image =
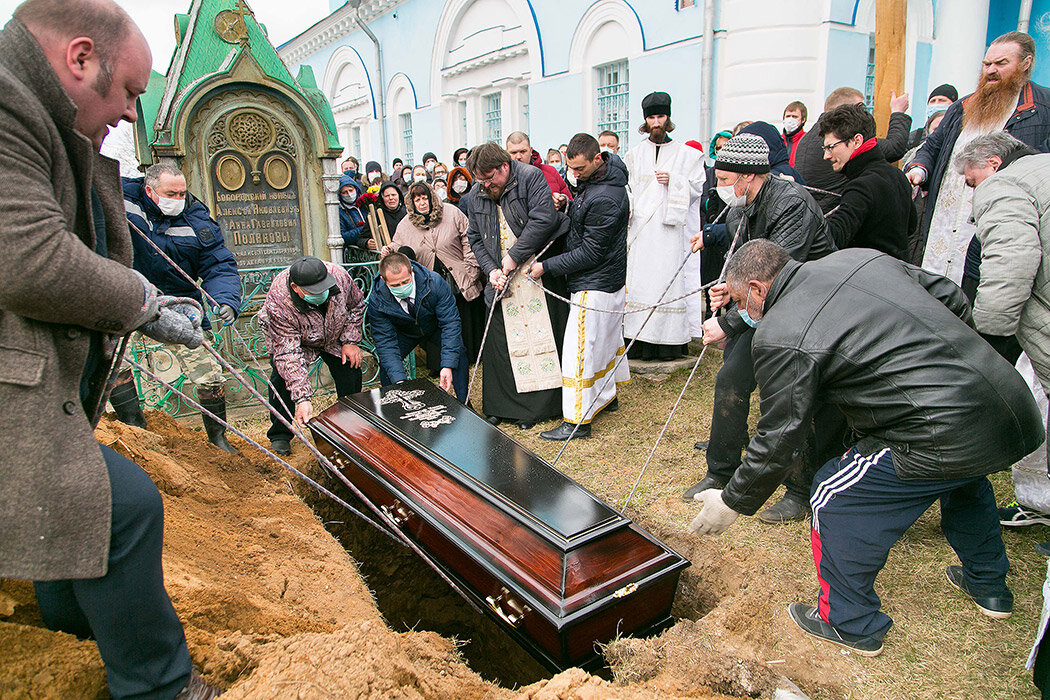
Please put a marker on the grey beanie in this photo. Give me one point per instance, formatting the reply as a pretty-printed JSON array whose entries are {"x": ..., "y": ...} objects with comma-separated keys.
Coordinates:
[{"x": 744, "y": 153}]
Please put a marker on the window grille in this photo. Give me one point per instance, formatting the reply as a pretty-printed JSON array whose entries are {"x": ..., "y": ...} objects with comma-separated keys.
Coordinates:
[
  {"x": 493, "y": 118},
  {"x": 406, "y": 138},
  {"x": 612, "y": 98}
]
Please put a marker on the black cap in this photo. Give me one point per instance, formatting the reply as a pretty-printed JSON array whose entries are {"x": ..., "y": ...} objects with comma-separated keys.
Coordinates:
[
  {"x": 428, "y": 156},
  {"x": 311, "y": 275},
  {"x": 945, "y": 90},
  {"x": 656, "y": 103}
]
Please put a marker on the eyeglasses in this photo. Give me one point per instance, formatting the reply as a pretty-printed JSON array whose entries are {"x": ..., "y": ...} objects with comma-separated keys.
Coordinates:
[
  {"x": 828, "y": 148},
  {"x": 486, "y": 181}
]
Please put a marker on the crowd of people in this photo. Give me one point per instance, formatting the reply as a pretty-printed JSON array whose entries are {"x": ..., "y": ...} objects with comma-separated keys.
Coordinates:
[{"x": 880, "y": 312}]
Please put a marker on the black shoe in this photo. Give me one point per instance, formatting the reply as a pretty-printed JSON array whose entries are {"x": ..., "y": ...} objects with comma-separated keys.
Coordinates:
[
  {"x": 214, "y": 401},
  {"x": 281, "y": 447},
  {"x": 708, "y": 482},
  {"x": 125, "y": 400},
  {"x": 494, "y": 420},
  {"x": 786, "y": 510},
  {"x": 613, "y": 405},
  {"x": 702, "y": 446},
  {"x": 997, "y": 607},
  {"x": 563, "y": 431},
  {"x": 198, "y": 689},
  {"x": 525, "y": 425},
  {"x": 808, "y": 620}
]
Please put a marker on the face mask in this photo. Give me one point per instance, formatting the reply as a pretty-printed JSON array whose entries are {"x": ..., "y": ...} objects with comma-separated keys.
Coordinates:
[
  {"x": 570, "y": 177},
  {"x": 791, "y": 124},
  {"x": 727, "y": 193},
  {"x": 419, "y": 178},
  {"x": 372, "y": 176},
  {"x": 744, "y": 315},
  {"x": 171, "y": 207},
  {"x": 347, "y": 201},
  {"x": 430, "y": 166},
  {"x": 459, "y": 186},
  {"x": 317, "y": 299},
  {"x": 934, "y": 109},
  {"x": 605, "y": 149},
  {"x": 405, "y": 291},
  {"x": 441, "y": 192},
  {"x": 462, "y": 162}
]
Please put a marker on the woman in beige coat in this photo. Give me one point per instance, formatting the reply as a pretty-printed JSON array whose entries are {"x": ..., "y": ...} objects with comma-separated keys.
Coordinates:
[{"x": 437, "y": 234}]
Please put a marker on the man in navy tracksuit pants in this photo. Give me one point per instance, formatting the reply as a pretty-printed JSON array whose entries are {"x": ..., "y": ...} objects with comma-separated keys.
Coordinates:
[{"x": 934, "y": 407}]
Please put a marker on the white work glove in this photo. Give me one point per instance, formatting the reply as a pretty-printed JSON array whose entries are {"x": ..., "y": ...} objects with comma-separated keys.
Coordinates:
[
  {"x": 715, "y": 516},
  {"x": 178, "y": 323}
]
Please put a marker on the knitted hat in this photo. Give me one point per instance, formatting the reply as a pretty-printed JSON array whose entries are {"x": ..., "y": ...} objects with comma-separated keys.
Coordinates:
[
  {"x": 428, "y": 156},
  {"x": 656, "y": 103},
  {"x": 945, "y": 90},
  {"x": 744, "y": 153}
]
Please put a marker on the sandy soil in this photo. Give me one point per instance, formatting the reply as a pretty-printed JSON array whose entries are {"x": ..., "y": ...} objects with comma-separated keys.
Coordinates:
[{"x": 274, "y": 606}]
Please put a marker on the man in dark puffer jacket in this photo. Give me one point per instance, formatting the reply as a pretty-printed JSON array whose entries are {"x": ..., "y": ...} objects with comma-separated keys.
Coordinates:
[
  {"x": 783, "y": 212},
  {"x": 934, "y": 407},
  {"x": 595, "y": 263},
  {"x": 875, "y": 210}
]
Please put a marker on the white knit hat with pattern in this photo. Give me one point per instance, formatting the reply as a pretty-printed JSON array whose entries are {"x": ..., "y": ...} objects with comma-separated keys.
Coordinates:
[{"x": 744, "y": 153}]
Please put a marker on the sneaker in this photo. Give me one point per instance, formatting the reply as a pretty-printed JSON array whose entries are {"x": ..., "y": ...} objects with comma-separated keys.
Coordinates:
[
  {"x": 702, "y": 446},
  {"x": 281, "y": 447},
  {"x": 708, "y": 482},
  {"x": 1014, "y": 515},
  {"x": 198, "y": 689},
  {"x": 998, "y": 607},
  {"x": 808, "y": 620},
  {"x": 785, "y": 510}
]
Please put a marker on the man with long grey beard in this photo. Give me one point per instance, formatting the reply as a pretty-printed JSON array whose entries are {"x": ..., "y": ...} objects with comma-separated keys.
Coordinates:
[{"x": 1005, "y": 99}]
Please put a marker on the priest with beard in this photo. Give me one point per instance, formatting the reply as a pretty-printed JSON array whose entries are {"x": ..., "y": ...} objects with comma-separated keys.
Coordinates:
[
  {"x": 1005, "y": 99},
  {"x": 666, "y": 179}
]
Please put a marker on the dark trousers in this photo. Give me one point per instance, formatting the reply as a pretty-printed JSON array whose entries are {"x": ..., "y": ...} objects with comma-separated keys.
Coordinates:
[
  {"x": 431, "y": 344},
  {"x": 127, "y": 611},
  {"x": 347, "y": 381},
  {"x": 733, "y": 388},
  {"x": 861, "y": 508}
]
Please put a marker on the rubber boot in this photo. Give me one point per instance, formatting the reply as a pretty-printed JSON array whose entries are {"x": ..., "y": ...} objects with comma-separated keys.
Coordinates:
[
  {"x": 214, "y": 400},
  {"x": 125, "y": 400}
]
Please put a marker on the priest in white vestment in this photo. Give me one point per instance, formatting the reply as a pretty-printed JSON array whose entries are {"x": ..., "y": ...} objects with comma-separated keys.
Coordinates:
[{"x": 666, "y": 180}]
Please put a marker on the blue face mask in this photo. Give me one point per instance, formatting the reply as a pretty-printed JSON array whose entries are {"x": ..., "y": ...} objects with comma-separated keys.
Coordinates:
[
  {"x": 404, "y": 291},
  {"x": 745, "y": 316},
  {"x": 935, "y": 109},
  {"x": 317, "y": 299}
]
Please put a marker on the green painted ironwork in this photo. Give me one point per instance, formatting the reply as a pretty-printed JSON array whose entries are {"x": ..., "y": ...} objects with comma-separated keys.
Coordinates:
[{"x": 248, "y": 352}]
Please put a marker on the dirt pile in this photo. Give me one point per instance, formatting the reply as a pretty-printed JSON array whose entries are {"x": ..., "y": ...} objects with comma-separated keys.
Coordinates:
[{"x": 274, "y": 606}]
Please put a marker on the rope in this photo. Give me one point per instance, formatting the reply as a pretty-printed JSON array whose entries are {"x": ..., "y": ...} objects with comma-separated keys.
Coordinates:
[
  {"x": 215, "y": 304},
  {"x": 324, "y": 462},
  {"x": 681, "y": 394},
  {"x": 609, "y": 377}
]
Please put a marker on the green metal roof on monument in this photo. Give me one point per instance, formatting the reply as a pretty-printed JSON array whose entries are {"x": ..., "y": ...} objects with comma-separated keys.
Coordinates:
[{"x": 220, "y": 42}]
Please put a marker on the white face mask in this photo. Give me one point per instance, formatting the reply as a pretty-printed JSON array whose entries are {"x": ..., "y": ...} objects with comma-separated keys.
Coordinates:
[
  {"x": 430, "y": 166},
  {"x": 171, "y": 207},
  {"x": 420, "y": 178},
  {"x": 440, "y": 192},
  {"x": 605, "y": 149},
  {"x": 374, "y": 175},
  {"x": 459, "y": 186},
  {"x": 791, "y": 124},
  {"x": 727, "y": 193},
  {"x": 570, "y": 177}
]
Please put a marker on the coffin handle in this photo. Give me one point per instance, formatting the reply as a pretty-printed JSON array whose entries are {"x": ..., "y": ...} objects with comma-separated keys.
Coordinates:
[
  {"x": 397, "y": 512},
  {"x": 515, "y": 612}
]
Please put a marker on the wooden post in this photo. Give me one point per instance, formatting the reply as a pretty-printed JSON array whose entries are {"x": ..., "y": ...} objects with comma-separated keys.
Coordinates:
[{"x": 891, "y": 17}]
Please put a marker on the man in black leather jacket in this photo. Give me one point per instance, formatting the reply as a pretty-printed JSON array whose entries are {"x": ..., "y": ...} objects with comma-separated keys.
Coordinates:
[
  {"x": 595, "y": 263},
  {"x": 781, "y": 211},
  {"x": 934, "y": 408}
]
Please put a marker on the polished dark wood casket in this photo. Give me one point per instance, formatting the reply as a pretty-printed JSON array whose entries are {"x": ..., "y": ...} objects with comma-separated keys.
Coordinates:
[{"x": 554, "y": 565}]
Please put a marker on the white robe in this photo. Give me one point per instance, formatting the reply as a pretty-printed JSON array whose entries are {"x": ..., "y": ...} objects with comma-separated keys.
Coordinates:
[{"x": 658, "y": 241}]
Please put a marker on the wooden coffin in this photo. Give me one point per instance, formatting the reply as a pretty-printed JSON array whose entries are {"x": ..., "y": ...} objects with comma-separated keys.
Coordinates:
[{"x": 555, "y": 566}]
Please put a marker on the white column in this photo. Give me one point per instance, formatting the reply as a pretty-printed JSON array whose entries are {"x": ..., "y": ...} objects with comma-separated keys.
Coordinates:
[{"x": 961, "y": 31}]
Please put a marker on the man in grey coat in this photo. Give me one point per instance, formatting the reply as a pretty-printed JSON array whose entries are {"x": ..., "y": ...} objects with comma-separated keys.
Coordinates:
[{"x": 81, "y": 521}]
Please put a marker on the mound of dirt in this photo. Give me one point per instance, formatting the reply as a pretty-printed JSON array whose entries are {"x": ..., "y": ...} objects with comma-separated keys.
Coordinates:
[{"x": 274, "y": 606}]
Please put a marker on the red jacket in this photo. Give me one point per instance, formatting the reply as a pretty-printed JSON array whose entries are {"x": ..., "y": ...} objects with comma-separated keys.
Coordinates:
[
  {"x": 553, "y": 178},
  {"x": 791, "y": 142}
]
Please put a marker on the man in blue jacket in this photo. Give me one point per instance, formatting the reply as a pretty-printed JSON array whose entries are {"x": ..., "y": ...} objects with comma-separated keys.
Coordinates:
[
  {"x": 159, "y": 209},
  {"x": 410, "y": 304}
]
